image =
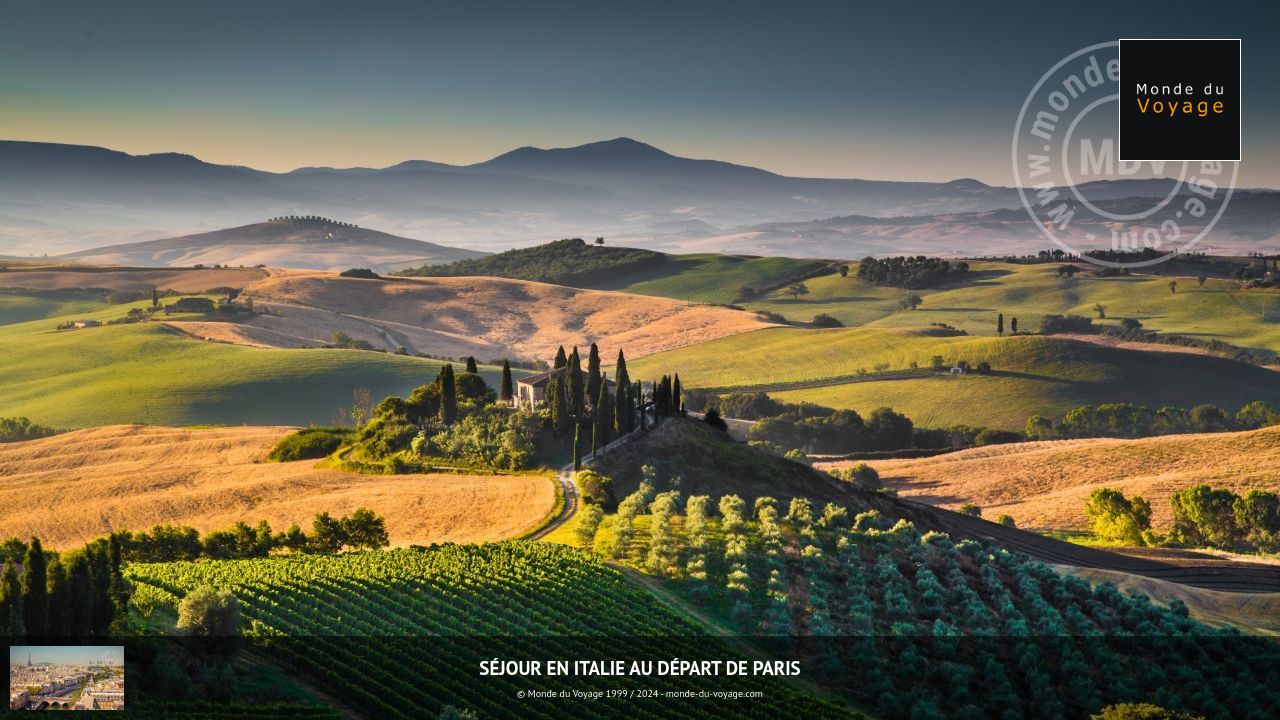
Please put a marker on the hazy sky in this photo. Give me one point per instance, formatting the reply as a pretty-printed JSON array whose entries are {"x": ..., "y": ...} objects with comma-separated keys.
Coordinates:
[
  {"x": 887, "y": 90},
  {"x": 67, "y": 654}
]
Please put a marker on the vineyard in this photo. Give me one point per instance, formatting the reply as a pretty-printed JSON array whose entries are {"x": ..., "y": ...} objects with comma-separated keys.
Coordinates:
[
  {"x": 401, "y": 633},
  {"x": 917, "y": 626}
]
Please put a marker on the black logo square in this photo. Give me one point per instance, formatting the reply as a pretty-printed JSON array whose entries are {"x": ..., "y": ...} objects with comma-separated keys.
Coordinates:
[{"x": 1180, "y": 100}]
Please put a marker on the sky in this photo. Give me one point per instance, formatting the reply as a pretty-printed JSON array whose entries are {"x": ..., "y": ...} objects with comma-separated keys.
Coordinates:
[
  {"x": 898, "y": 91},
  {"x": 67, "y": 654}
]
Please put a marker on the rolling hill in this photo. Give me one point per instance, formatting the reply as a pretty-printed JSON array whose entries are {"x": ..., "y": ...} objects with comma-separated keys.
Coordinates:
[
  {"x": 704, "y": 277},
  {"x": 1031, "y": 374},
  {"x": 210, "y": 478},
  {"x": 487, "y": 317},
  {"x": 152, "y": 373},
  {"x": 1044, "y": 485},
  {"x": 709, "y": 462},
  {"x": 311, "y": 244},
  {"x": 1221, "y": 308}
]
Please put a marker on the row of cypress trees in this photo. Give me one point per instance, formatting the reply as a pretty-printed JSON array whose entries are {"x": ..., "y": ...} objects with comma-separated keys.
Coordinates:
[{"x": 79, "y": 594}]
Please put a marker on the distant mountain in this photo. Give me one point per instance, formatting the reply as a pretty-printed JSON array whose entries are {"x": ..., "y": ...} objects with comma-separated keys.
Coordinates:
[
  {"x": 65, "y": 198},
  {"x": 316, "y": 244}
]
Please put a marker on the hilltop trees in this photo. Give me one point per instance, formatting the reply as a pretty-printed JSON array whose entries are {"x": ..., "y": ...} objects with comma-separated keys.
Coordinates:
[
  {"x": 1000, "y": 324},
  {"x": 909, "y": 272},
  {"x": 561, "y": 360}
]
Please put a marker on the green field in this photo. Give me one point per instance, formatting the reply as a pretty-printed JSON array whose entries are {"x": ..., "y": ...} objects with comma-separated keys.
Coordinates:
[
  {"x": 150, "y": 373},
  {"x": 1248, "y": 318},
  {"x": 23, "y": 308},
  {"x": 401, "y": 633},
  {"x": 710, "y": 278},
  {"x": 1031, "y": 374}
]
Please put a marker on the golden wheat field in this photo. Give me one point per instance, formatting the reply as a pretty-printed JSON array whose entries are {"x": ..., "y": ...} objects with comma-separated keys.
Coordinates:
[
  {"x": 1044, "y": 485},
  {"x": 80, "y": 485}
]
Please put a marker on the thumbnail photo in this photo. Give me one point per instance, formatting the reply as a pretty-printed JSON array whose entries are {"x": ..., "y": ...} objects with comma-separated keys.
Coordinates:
[{"x": 66, "y": 677}]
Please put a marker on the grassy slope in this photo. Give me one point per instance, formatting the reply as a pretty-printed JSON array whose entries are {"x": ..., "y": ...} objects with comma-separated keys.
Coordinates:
[
  {"x": 1033, "y": 374},
  {"x": 1249, "y": 318},
  {"x": 152, "y": 374},
  {"x": 24, "y": 308},
  {"x": 709, "y": 277}
]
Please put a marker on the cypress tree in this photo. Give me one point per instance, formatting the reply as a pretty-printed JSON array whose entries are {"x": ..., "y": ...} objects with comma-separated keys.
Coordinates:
[
  {"x": 623, "y": 410},
  {"x": 103, "y": 609},
  {"x": 80, "y": 587},
  {"x": 577, "y": 446},
  {"x": 59, "y": 598},
  {"x": 1000, "y": 324},
  {"x": 593, "y": 373},
  {"x": 155, "y": 298},
  {"x": 448, "y": 395},
  {"x": 604, "y": 419},
  {"x": 1013, "y": 326},
  {"x": 11, "y": 601},
  {"x": 677, "y": 401},
  {"x": 471, "y": 365},
  {"x": 644, "y": 417},
  {"x": 561, "y": 361},
  {"x": 558, "y": 405},
  {"x": 576, "y": 386},
  {"x": 505, "y": 390},
  {"x": 35, "y": 591}
]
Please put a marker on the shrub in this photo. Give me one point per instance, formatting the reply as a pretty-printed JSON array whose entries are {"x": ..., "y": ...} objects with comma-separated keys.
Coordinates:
[
  {"x": 970, "y": 509},
  {"x": 1140, "y": 711},
  {"x": 1051, "y": 324},
  {"x": 1115, "y": 517},
  {"x": 992, "y": 436},
  {"x": 1006, "y": 520},
  {"x": 209, "y": 613},
  {"x": 712, "y": 418},
  {"x": 594, "y": 488},
  {"x": 823, "y": 320},
  {"x": 309, "y": 444},
  {"x": 862, "y": 475}
]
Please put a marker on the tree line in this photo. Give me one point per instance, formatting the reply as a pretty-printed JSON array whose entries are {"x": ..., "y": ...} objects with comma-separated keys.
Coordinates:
[
  {"x": 1127, "y": 420},
  {"x": 1203, "y": 516},
  {"x": 563, "y": 262},
  {"x": 79, "y": 594},
  {"x": 362, "y": 529},
  {"x": 912, "y": 272}
]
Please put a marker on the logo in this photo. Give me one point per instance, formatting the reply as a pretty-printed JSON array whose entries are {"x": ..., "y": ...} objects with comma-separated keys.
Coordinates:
[{"x": 1082, "y": 196}]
